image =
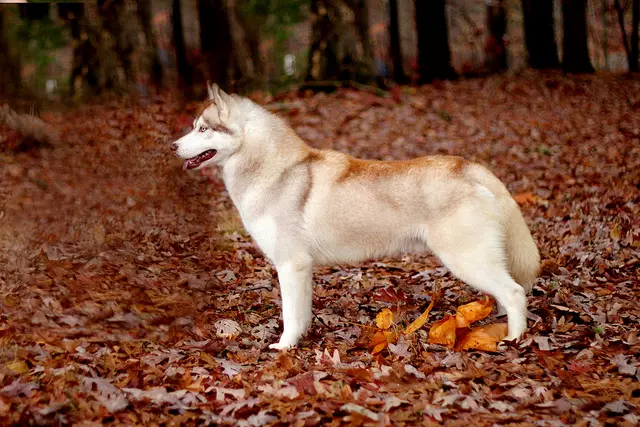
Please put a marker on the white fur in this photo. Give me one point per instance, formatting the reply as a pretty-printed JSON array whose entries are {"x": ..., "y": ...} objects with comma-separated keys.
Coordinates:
[{"x": 306, "y": 207}]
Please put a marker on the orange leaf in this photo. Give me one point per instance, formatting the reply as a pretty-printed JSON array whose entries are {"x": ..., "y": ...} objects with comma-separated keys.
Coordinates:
[
  {"x": 381, "y": 340},
  {"x": 484, "y": 337},
  {"x": 384, "y": 319},
  {"x": 417, "y": 324},
  {"x": 525, "y": 198},
  {"x": 444, "y": 332},
  {"x": 472, "y": 312}
]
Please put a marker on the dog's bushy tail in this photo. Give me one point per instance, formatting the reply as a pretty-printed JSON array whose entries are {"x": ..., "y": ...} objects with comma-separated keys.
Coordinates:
[{"x": 523, "y": 259}]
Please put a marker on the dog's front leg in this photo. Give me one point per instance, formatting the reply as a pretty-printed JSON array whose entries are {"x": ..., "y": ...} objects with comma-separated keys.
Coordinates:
[{"x": 296, "y": 290}]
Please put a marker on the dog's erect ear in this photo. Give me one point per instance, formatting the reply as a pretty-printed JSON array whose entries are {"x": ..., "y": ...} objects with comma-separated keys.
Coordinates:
[{"x": 220, "y": 98}]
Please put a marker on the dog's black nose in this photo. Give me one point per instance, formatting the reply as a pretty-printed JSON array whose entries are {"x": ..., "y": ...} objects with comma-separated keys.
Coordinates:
[{"x": 174, "y": 147}]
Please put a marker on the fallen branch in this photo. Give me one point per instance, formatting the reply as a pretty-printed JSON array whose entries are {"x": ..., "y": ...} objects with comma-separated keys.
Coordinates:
[{"x": 34, "y": 130}]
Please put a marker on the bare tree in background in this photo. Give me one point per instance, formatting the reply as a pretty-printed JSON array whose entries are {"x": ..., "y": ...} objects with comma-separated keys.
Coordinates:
[
  {"x": 155, "y": 69},
  {"x": 495, "y": 48},
  {"x": 394, "y": 44},
  {"x": 107, "y": 39},
  {"x": 340, "y": 47},
  {"x": 635, "y": 36},
  {"x": 185, "y": 74},
  {"x": 434, "y": 55},
  {"x": 248, "y": 66},
  {"x": 630, "y": 47},
  {"x": 539, "y": 34},
  {"x": 9, "y": 62},
  {"x": 215, "y": 40},
  {"x": 575, "y": 57}
]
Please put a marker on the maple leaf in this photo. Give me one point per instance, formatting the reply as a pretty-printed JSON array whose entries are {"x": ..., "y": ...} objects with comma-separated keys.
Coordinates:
[
  {"x": 384, "y": 319},
  {"x": 472, "y": 312},
  {"x": 444, "y": 332},
  {"x": 484, "y": 337}
]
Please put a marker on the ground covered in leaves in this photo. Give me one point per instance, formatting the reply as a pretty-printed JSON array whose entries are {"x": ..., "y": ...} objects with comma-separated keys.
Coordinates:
[{"x": 130, "y": 293}]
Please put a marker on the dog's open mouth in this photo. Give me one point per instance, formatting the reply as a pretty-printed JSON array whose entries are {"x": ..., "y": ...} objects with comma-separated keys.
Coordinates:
[{"x": 196, "y": 161}]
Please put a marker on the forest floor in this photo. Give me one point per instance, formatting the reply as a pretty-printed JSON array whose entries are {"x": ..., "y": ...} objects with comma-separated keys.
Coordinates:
[{"x": 131, "y": 294}]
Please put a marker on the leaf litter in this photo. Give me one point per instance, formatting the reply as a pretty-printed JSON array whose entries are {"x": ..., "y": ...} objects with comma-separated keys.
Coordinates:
[{"x": 130, "y": 293}]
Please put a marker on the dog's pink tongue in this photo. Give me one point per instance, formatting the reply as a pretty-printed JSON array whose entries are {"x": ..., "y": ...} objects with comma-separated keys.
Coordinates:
[{"x": 185, "y": 165}]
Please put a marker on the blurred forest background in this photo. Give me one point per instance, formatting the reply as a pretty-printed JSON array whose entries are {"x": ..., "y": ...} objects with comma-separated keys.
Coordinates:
[{"x": 123, "y": 46}]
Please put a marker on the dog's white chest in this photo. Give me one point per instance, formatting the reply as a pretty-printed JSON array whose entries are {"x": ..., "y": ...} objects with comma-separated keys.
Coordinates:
[{"x": 263, "y": 230}]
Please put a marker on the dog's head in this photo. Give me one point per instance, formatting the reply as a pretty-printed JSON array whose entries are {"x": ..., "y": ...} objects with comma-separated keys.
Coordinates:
[{"x": 215, "y": 136}]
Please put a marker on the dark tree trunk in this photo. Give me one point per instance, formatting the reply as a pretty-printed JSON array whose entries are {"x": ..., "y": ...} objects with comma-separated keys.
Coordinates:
[
  {"x": 155, "y": 69},
  {"x": 9, "y": 64},
  {"x": 395, "y": 50},
  {"x": 495, "y": 48},
  {"x": 116, "y": 21},
  {"x": 248, "y": 66},
  {"x": 83, "y": 51},
  {"x": 434, "y": 56},
  {"x": 635, "y": 47},
  {"x": 34, "y": 11},
  {"x": 575, "y": 57},
  {"x": 185, "y": 75},
  {"x": 630, "y": 47},
  {"x": 539, "y": 34},
  {"x": 215, "y": 39},
  {"x": 340, "y": 48}
]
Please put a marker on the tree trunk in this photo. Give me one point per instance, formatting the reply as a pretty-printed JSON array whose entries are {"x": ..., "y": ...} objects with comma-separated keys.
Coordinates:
[
  {"x": 434, "y": 56},
  {"x": 395, "y": 51},
  {"x": 155, "y": 66},
  {"x": 574, "y": 45},
  {"x": 495, "y": 48},
  {"x": 539, "y": 34},
  {"x": 247, "y": 60},
  {"x": 72, "y": 14},
  {"x": 34, "y": 11},
  {"x": 215, "y": 39},
  {"x": 340, "y": 48},
  {"x": 9, "y": 64},
  {"x": 635, "y": 47},
  {"x": 185, "y": 75},
  {"x": 120, "y": 43}
]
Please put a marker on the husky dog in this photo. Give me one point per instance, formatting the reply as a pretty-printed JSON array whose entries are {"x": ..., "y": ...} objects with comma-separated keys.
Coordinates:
[{"x": 305, "y": 207}]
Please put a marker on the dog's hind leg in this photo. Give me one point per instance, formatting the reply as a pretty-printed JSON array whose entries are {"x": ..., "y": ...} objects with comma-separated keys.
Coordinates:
[
  {"x": 473, "y": 251},
  {"x": 296, "y": 285}
]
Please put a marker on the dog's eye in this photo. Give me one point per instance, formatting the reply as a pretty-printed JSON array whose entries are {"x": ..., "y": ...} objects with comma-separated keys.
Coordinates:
[{"x": 202, "y": 128}]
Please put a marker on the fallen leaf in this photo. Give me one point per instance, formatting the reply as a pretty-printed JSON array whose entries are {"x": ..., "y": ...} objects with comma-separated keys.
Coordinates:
[
  {"x": 227, "y": 328},
  {"x": 444, "y": 332},
  {"x": 353, "y": 408},
  {"x": 472, "y": 312},
  {"x": 484, "y": 337},
  {"x": 17, "y": 367},
  {"x": 420, "y": 321},
  {"x": 384, "y": 319},
  {"x": 381, "y": 340}
]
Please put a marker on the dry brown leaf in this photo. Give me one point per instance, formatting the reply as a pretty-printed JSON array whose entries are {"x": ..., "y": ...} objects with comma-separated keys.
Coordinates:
[
  {"x": 444, "y": 332},
  {"x": 484, "y": 337},
  {"x": 417, "y": 324},
  {"x": 472, "y": 312},
  {"x": 384, "y": 319}
]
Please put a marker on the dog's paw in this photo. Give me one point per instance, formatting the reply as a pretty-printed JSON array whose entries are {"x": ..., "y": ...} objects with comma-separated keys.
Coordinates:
[{"x": 280, "y": 346}]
